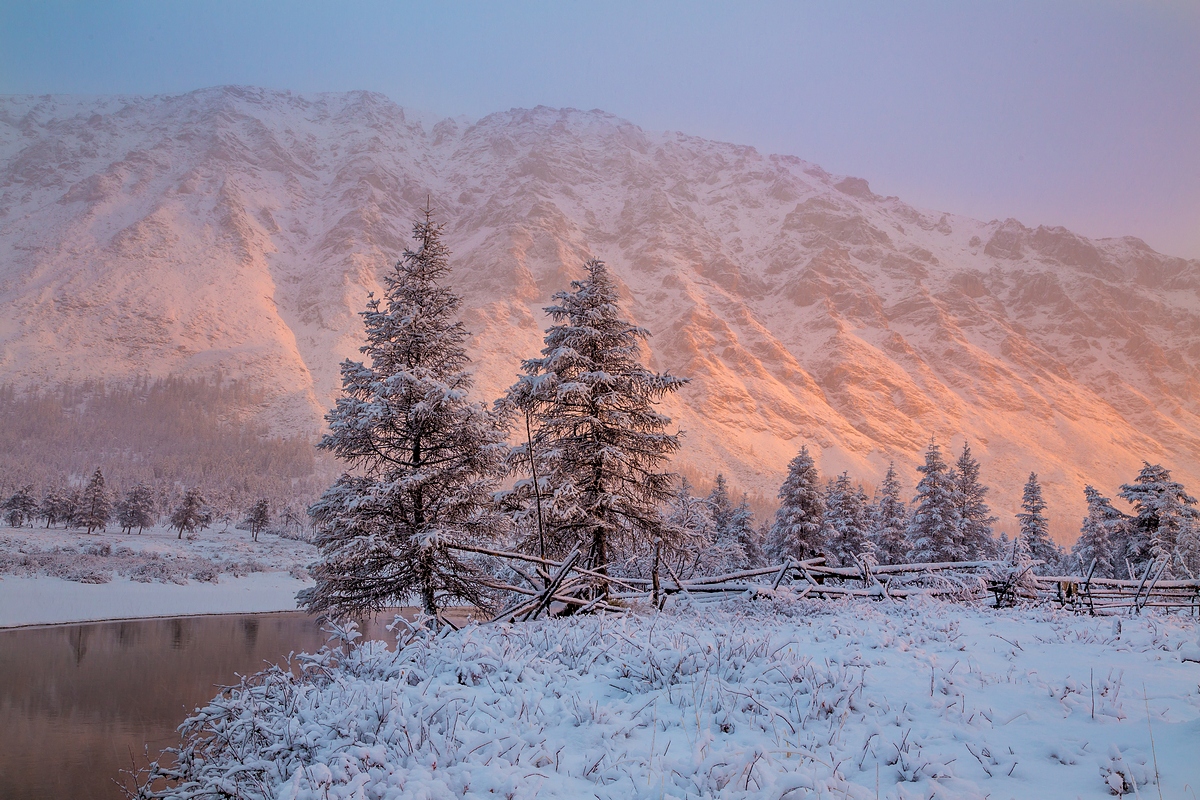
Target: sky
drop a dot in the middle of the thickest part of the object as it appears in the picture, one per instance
(1084, 114)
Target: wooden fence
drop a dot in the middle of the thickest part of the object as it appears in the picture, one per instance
(556, 587)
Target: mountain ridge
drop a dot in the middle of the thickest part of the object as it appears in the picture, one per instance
(240, 229)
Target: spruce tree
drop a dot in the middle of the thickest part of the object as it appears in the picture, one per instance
(424, 457)
(1099, 536)
(259, 517)
(799, 522)
(136, 509)
(1164, 521)
(1035, 530)
(600, 444)
(72, 508)
(96, 504)
(688, 540)
(190, 512)
(53, 507)
(845, 521)
(720, 506)
(934, 526)
(889, 521)
(20, 507)
(974, 517)
(743, 530)
(733, 546)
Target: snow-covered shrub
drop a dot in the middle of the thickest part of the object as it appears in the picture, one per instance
(773, 699)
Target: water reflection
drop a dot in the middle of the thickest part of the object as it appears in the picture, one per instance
(79, 703)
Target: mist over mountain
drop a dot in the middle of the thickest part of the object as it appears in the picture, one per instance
(239, 230)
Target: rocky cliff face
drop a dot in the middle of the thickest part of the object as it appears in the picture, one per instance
(240, 230)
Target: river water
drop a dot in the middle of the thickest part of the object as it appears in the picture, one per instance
(81, 703)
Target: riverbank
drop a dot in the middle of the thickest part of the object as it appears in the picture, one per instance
(45, 601)
(56, 576)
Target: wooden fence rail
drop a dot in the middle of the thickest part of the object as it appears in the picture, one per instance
(557, 587)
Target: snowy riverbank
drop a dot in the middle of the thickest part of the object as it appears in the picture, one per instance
(44, 601)
(53, 576)
(766, 700)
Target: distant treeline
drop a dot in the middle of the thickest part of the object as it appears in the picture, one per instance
(171, 434)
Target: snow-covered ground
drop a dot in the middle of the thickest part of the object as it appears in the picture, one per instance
(778, 699)
(54, 575)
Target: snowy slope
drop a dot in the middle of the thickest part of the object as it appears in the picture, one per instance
(240, 229)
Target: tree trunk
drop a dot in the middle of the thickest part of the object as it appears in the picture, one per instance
(656, 589)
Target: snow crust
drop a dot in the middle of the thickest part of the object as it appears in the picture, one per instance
(781, 699)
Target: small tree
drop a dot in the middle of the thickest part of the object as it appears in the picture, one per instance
(53, 507)
(720, 506)
(934, 526)
(889, 521)
(136, 509)
(688, 541)
(975, 538)
(799, 522)
(845, 529)
(733, 538)
(96, 508)
(743, 530)
(1164, 520)
(20, 507)
(1035, 530)
(73, 508)
(424, 456)
(259, 517)
(1099, 536)
(598, 439)
(190, 512)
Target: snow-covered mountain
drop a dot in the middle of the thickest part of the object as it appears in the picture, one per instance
(240, 230)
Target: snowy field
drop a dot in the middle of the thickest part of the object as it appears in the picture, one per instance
(779, 699)
(54, 575)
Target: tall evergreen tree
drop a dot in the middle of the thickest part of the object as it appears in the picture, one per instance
(799, 522)
(1099, 536)
(1164, 520)
(599, 443)
(933, 528)
(136, 509)
(97, 504)
(424, 457)
(974, 517)
(190, 512)
(1035, 529)
(889, 521)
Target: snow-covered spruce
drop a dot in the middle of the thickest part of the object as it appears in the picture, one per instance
(424, 456)
(599, 443)
(1034, 533)
(800, 519)
(769, 700)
